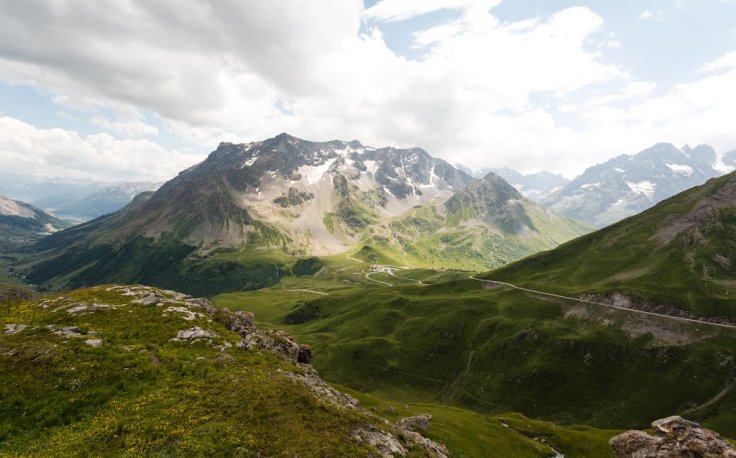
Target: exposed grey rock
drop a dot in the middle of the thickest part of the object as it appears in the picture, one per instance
(194, 334)
(676, 438)
(94, 342)
(66, 332)
(415, 423)
(147, 300)
(413, 437)
(83, 308)
(240, 322)
(311, 380)
(385, 443)
(11, 328)
(186, 313)
(272, 340)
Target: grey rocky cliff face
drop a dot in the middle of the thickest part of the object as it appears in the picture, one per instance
(676, 438)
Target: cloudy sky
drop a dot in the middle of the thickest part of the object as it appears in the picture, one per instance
(138, 90)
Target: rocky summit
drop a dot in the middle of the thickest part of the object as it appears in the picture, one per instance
(675, 438)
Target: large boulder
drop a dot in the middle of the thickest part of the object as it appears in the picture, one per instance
(676, 438)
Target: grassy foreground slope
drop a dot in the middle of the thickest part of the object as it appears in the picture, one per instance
(495, 350)
(680, 253)
(111, 371)
(105, 371)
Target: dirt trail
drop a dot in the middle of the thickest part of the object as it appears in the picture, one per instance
(368, 277)
(299, 290)
(727, 389)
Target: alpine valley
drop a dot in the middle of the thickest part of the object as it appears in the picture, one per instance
(370, 302)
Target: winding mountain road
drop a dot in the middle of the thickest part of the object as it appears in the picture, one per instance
(558, 296)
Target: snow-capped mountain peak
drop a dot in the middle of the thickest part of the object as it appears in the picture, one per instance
(629, 184)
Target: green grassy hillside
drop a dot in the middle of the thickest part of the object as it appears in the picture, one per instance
(427, 237)
(10, 293)
(106, 371)
(680, 253)
(497, 350)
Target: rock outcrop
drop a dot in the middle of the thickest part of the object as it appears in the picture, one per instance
(416, 423)
(389, 441)
(676, 438)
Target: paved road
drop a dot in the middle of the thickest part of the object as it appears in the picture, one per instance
(692, 320)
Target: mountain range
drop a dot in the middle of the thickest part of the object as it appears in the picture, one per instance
(250, 210)
(535, 186)
(77, 200)
(627, 185)
(93, 200)
(22, 224)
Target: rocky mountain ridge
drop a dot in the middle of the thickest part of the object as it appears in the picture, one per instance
(22, 223)
(287, 198)
(626, 185)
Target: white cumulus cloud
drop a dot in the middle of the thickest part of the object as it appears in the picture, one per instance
(54, 153)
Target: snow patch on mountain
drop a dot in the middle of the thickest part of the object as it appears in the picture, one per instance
(681, 169)
(432, 178)
(371, 166)
(645, 187)
(315, 173)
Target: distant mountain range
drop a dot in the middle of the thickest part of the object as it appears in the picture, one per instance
(623, 186)
(534, 186)
(76, 200)
(627, 185)
(249, 210)
(22, 224)
(90, 201)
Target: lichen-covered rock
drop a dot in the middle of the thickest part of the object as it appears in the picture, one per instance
(415, 423)
(271, 340)
(388, 445)
(414, 438)
(311, 380)
(676, 438)
(240, 322)
(66, 332)
(193, 334)
(12, 328)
